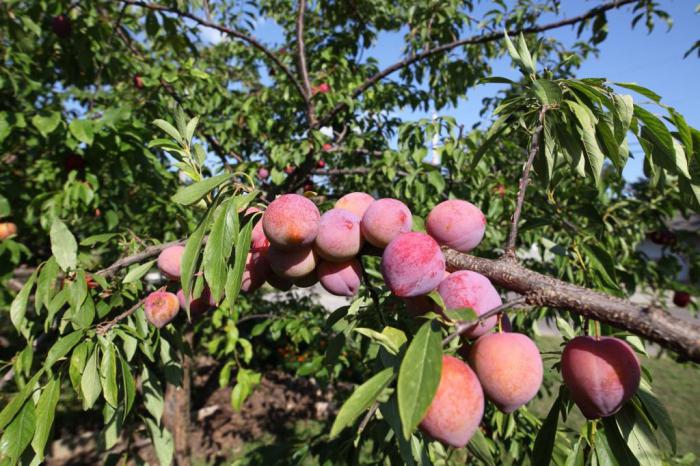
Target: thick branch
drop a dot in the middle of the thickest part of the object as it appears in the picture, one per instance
(474, 40)
(303, 70)
(650, 322)
(231, 32)
(524, 180)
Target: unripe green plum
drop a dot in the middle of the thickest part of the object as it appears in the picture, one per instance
(509, 367)
(357, 203)
(457, 224)
(384, 220)
(292, 264)
(464, 289)
(291, 222)
(161, 307)
(340, 278)
(339, 237)
(412, 265)
(601, 374)
(458, 406)
(169, 261)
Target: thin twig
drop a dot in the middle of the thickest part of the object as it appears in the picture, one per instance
(147, 253)
(367, 417)
(524, 180)
(474, 40)
(231, 32)
(105, 327)
(303, 70)
(98, 73)
(464, 327)
(254, 317)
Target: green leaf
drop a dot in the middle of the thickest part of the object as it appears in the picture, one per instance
(360, 400)
(525, 55)
(46, 124)
(669, 153)
(623, 111)
(601, 261)
(586, 129)
(191, 127)
(218, 249)
(235, 273)
(193, 193)
(497, 128)
(548, 92)
(190, 256)
(640, 90)
(639, 436)
(479, 447)
(82, 130)
(77, 363)
(169, 129)
(136, 273)
(464, 314)
(46, 285)
(618, 445)
(384, 339)
(90, 381)
(19, 433)
(419, 376)
(46, 410)
(162, 441)
(544, 442)
(63, 246)
(18, 308)
(152, 393)
(658, 414)
(9, 411)
(62, 346)
(108, 376)
(128, 386)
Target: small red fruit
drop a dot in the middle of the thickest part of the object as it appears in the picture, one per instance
(681, 298)
(74, 162)
(98, 213)
(138, 82)
(327, 147)
(263, 173)
(61, 26)
(7, 230)
(289, 169)
(500, 190)
(324, 88)
(320, 164)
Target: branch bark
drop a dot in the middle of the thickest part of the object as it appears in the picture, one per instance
(650, 322)
(524, 180)
(474, 40)
(231, 32)
(303, 70)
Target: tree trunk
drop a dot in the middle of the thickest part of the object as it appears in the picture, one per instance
(176, 415)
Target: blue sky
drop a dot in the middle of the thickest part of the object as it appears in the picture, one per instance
(652, 60)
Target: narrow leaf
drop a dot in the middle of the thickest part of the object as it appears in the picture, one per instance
(193, 193)
(46, 409)
(136, 273)
(62, 346)
(63, 246)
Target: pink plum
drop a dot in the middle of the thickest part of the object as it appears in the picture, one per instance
(464, 289)
(384, 220)
(412, 265)
(341, 278)
(339, 237)
(457, 224)
(291, 222)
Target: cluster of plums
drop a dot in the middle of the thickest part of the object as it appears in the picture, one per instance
(293, 244)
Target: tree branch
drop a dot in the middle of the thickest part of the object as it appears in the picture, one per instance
(650, 322)
(231, 32)
(474, 40)
(147, 253)
(524, 180)
(303, 70)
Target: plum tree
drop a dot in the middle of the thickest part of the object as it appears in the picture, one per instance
(340, 278)
(509, 368)
(457, 407)
(169, 261)
(457, 224)
(161, 307)
(339, 237)
(412, 265)
(384, 220)
(291, 221)
(467, 289)
(292, 264)
(601, 374)
(357, 203)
